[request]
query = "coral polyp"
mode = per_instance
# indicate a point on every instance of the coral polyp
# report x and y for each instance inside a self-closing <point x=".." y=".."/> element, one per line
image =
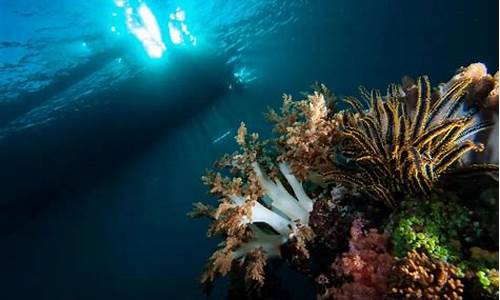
<point x="306" y="195"/>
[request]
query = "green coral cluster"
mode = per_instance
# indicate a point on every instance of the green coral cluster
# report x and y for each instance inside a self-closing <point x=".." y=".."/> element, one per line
<point x="488" y="278"/>
<point x="437" y="225"/>
<point x="482" y="266"/>
<point x="418" y="233"/>
<point x="444" y="229"/>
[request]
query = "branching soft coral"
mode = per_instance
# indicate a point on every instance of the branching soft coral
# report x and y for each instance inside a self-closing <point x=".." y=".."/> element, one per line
<point x="393" y="151"/>
<point x="306" y="132"/>
<point x="248" y="200"/>
<point x="368" y="263"/>
<point x="419" y="277"/>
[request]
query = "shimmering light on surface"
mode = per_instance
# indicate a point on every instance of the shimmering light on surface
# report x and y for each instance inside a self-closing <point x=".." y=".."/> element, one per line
<point x="144" y="25"/>
<point x="120" y="3"/>
<point x="145" y="28"/>
<point x="180" y="15"/>
<point x="178" y="29"/>
<point x="150" y="22"/>
<point x="229" y="28"/>
<point x="175" y="34"/>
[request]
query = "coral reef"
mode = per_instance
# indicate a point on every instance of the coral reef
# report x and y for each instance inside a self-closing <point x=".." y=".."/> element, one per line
<point x="378" y="201"/>
<point x="483" y="88"/>
<point x="366" y="265"/>
<point x="306" y="131"/>
<point x="414" y="233"/>
<point x="419" y="277"/>
<point x="438" y="225"/>
<point x="481" y="273"/>
<point x="249" y="199"/>
<point x="483" y="95"/>
<point x="330" y="219"/>
<point x="488" y="281"/>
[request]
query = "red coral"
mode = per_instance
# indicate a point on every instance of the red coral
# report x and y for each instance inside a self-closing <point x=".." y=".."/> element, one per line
<point x="367" y="263"/>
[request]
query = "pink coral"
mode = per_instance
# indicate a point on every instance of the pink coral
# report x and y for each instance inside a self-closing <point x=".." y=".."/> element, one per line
<point x="368" y="263"/>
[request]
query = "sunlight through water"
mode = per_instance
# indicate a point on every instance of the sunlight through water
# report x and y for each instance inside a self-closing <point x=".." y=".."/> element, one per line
<point x="143" y="25"/>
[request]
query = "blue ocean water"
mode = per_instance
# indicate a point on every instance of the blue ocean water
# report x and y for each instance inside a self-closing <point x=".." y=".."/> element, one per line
<point x="107" y="122"/>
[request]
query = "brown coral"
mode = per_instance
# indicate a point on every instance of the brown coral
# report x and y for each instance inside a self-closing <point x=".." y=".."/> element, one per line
<point x="305" y="132"/>
<point x="255" y="263"/>
<point x="482" y="94"/>
<point x="256" y="214"/>
<point x="419" y="277"/>
<point x="482" y="254"/>
<point x="296" y="251"/>
<point x="483" y="88"/>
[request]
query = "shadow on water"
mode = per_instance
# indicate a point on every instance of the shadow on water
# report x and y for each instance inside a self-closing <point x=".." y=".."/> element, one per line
<point x="26" y="101"/>
<point x="43" y="163"/>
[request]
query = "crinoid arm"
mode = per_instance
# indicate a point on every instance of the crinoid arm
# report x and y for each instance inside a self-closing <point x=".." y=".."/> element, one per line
<point x="399" y="148"/>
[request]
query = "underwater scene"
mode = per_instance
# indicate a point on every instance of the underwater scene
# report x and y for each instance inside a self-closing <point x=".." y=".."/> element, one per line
<point x="249" y="149"/>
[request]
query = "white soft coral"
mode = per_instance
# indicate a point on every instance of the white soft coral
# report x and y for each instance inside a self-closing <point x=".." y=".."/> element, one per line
<point x="257" y="212"/>
<point x="241" y="219"/>
<point x="285" y="211"/>
<point x="295" y="208"/>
